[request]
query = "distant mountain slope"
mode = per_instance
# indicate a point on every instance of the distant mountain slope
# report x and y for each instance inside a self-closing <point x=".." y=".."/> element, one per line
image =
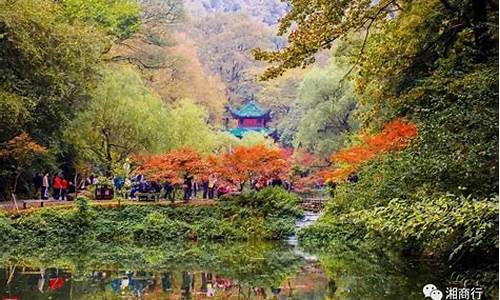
<point x="266" y="11"/>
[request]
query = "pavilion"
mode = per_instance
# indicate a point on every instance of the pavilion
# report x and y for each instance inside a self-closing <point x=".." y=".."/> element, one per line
<point x="251" y="118"/>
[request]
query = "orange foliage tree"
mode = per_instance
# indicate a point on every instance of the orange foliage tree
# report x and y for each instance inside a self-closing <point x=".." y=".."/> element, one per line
<point x="173" y="166"/>
<point x="243" y="164"/>
<point x="236" y="167"/>
<point x="18" y="154"/>
<point x="395" y="136"/>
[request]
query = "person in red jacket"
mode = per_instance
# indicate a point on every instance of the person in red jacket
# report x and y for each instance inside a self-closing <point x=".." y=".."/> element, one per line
<point x="57" y="185"/>
<point x="64" y="188"/>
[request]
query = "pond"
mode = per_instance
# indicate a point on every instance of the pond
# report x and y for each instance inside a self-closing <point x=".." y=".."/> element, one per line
<point x="242" y="270"/>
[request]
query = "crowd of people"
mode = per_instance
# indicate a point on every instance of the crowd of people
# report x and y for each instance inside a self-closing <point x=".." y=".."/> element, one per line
<point x="208" y="188"/>
<point x="58" y="187"/>
<point x="205" y="188"/>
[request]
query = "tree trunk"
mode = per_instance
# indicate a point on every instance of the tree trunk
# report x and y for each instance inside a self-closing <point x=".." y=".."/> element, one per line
<point x="480" y="28"/>
<point x="16" y="180"/>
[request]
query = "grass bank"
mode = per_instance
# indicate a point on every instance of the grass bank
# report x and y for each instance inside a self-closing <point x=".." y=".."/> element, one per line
<point x="267" y="215"/>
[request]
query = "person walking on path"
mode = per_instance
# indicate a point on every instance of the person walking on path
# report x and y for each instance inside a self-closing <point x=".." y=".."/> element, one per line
<point x="168" y="188"/>
<point x="57" y="185"/>
<point x="37" y="183"/>
<point x="64" y="188"/>
<point x="188" y="185"/>
<point x="45" y="186"/>
<point x="204" y="185"/>
<point x="212" y="181"/>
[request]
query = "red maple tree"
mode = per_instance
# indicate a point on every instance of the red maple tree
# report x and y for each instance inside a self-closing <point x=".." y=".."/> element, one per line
<point x="395" y="136"/>
<point x="243" y="164"/>
<point x="172" y="166"/>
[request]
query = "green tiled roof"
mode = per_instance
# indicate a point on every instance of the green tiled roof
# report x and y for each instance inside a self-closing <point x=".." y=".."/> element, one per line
<point x="250" y="110"/>
<point x="240" y="132"/>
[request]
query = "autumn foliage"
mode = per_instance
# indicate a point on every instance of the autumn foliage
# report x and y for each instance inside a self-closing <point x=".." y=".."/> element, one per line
<point x="259" y="162"/>
<point x="395" y="136"/>
<point x="172" y="166"/>
<point x="235" y="167"/>
<point x="20" y="152"/>
<point x="245" y="163"/>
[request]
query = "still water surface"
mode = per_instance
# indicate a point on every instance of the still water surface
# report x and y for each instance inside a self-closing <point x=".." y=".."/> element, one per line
<point x="257" y="270"/>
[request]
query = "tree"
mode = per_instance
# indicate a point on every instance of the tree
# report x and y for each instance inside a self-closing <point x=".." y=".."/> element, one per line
<point x="122" y="118"/>
<point x="395" y="136"/>
<point x="417" y="61"/>
<point x="316" y="25"/>
<point x="187" y="126"/>
<point x="328" y="106"/>
<point x="146" y="46"/>
<point x="173" y="166"/>
<point x="17" y="155"/>
<point x="256" y="138"/>
<point x="225" y="41"/>
<point x="245" y="163"/>
<point x="280" y="96"/>
<point x="47" y="67"/>
<point x="50" y="54"/>
<point x="268" y="12"/>
<point x="190" y="79"/>
<point x="119" y="18"/>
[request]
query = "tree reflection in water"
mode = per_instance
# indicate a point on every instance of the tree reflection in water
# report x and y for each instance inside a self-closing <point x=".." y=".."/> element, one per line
<point x="256" y="270"/>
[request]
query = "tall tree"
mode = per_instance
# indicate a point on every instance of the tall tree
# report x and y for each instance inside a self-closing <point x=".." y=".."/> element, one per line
<point x="328" y="105"/>
<point x="415" y="60"/>
<point x="47" y="66"/>
<point x="187" y="126"/>
<point x="122" y="118"/>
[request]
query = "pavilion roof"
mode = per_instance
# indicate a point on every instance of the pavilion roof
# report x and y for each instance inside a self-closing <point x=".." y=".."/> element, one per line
<point x="249" y="110"/>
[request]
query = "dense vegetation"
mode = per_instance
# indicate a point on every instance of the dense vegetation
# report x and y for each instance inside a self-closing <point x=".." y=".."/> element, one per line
<point x="437" y="197"/>
<point x="267" y="215"/>
<point x="401" y="95"/>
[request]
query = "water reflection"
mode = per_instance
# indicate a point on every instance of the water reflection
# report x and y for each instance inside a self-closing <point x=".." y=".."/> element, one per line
<point x="178" y="271"/>
<point x="205" y="271"/>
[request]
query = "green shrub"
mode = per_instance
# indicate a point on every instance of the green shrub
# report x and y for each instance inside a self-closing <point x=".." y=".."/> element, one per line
<point x="271" y="201"/>
<point x="6" y="229"/>
<point x="157" y="228"/>
<point x="442" y="226"/>
<point x="268" y="214"/>
<point x="214" y="229"/>
<point x="447" y="225"/>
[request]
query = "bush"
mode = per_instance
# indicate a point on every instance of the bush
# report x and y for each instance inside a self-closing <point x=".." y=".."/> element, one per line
<point x="445" y="225"/>
<point x="214" y="229"/>
<point x="7" y="230"/>
<point x="157" y="228"/>
<point x="271" y="201"/>
<point x="442" y="226"/>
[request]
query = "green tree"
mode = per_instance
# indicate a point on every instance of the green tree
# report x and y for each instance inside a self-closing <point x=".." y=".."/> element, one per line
<point x="120" y="18"/>
<point x="256" y="138"/>
<point x="433" y="63"/>
<point x="122" y="118"/>
<point x="47" y="66"/>
<point x="328" y="106"/>
<point x="187" y="126"/>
